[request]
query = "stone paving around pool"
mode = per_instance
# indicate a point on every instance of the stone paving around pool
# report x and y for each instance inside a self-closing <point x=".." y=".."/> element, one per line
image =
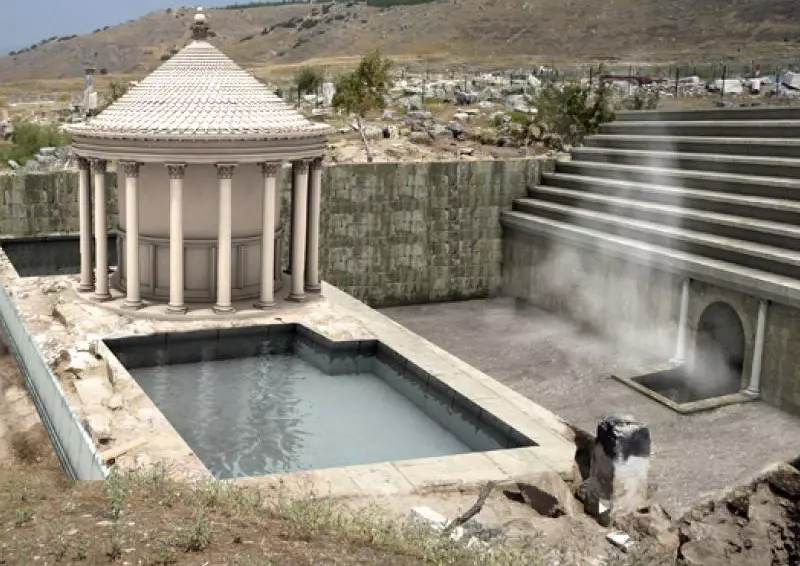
<point x="68" y="327"/>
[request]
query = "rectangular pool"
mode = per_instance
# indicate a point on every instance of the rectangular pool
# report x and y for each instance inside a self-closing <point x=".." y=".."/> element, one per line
<point x="281" y="398"/>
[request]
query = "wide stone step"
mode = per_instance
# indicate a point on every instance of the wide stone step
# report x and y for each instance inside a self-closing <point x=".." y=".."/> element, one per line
<point x="729" y="275"/>
<point x="764" y="147"/>
<point x="745" y="165"/>
<point x="764" y="208"/>
<point x="707" y="128"/>
<point x="770" y="233"/>
<point x="771" y="187"/>
<point x="718" y="114"/>
<point x="757" y="256"/>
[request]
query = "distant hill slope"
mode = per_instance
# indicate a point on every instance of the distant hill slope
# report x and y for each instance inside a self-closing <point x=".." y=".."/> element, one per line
<point x="537" y="31"/>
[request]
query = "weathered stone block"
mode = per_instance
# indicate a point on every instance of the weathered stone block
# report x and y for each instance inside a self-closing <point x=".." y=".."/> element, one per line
<point x="620" y="464"/>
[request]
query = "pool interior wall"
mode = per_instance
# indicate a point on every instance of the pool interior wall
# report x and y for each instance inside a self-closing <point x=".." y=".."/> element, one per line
<point x="276" y="398"/>
<point x="39" y="256"/>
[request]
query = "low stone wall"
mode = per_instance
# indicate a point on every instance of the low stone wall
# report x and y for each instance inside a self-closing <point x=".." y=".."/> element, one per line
<point x="392" y="233"/>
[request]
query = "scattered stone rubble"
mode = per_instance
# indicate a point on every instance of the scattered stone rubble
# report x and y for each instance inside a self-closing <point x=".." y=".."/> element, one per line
<point x="757" y="524"/>
<point x="49" y="159"/>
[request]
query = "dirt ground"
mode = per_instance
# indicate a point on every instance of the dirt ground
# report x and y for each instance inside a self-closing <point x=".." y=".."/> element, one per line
<point x="23" y="439"/>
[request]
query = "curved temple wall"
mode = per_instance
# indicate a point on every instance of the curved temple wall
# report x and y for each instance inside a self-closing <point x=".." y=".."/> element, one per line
<point x="200" y="224"/>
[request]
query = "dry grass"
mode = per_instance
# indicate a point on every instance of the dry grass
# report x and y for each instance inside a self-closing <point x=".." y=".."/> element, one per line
<point x="443" y="33"/>
<point x="144" y="518"/>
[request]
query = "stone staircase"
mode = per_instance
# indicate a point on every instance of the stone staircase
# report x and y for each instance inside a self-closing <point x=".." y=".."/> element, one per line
<point x="714" y="194"/>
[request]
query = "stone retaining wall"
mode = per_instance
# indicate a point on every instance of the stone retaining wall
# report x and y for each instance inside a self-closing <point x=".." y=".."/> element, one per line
<point x="392" y="233"/>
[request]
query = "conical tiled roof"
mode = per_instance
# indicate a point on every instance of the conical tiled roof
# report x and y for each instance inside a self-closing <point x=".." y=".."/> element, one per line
<point x="199" y="94"/>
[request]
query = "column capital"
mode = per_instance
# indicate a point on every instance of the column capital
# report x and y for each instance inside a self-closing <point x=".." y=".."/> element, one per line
<point x="270" y="169"/>
<point x="131" y="168"/>
<point x="316" y="164"/>
<point x="98" y="165"/>
<point x="176" y="170"/>
<point x="225" y="170"/>
<point x="302" y="163"/>
<point x="83" y="163"/>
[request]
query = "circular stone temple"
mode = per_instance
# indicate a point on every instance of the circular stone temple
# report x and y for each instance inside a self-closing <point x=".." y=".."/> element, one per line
<point x="198" y="145"/>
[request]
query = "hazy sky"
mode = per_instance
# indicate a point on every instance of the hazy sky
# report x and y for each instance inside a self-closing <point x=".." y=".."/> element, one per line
<point x="23" y="22"/>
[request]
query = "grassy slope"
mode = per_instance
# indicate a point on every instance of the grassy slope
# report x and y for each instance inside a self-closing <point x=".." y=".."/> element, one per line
<point x="147" y="519"/>
<point x="446" y="30"/>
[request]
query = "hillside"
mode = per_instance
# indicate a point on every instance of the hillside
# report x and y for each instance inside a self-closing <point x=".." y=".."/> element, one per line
<point x="451" y="31"/>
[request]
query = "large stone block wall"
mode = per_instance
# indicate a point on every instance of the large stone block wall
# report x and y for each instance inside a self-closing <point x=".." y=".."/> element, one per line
<point x="392" y="233"/>
<point x="45" y="203"/>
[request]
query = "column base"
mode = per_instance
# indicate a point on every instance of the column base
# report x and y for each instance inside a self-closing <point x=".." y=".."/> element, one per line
<point x="223" y="309"/>
<point x="752" y="393"/>
<point x="177" y="309"/>
<point x="264" y="305"/>
<point x="102" y="298"/>
<point x="296" y="297"/>
<point x="85" y="288"/>
<point x="313" y="288"/>
<point x="132" y="305"/>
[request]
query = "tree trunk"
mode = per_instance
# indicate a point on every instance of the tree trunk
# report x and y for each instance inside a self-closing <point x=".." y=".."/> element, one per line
<point x="364" y="139"/>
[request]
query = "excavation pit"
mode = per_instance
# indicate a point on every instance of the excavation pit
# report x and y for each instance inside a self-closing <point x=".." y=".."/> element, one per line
<point x="281" y="398"/>
<point x="41" y="256"/>
<point x="674" y="386"/>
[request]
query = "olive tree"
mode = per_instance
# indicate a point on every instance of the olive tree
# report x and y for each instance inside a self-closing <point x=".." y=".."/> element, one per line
<point x="308" y="80"/>
<point x="364" y="90"/>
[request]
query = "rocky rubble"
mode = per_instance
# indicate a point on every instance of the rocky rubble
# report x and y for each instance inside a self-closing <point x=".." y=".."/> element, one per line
<point x="752" y="525"/>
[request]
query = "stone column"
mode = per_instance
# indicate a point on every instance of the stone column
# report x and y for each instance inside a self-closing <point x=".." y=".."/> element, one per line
<point x="296" y="165"/>
<point x="176" y="267"/>
<point x="85" y="212"/>
<point x="268" y="216"/>
<point x="312" y="247"/>
<point x="100" y="230"/>
<point x="299" y="216"/>
<point x="618" y="478"/>
<point x="683" y="323"/>
<point x="225" y="176"/>
<point x="754" y="389"/>
<point x="133" y="299"/>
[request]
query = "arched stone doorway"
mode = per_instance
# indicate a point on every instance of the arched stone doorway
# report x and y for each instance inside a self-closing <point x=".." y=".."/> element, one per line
<point x="719" y="352"/>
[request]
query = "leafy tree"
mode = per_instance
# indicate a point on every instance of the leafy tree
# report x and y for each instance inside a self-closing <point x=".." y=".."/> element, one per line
<point x="308" y="79"/>
<point x="364" y="90"/>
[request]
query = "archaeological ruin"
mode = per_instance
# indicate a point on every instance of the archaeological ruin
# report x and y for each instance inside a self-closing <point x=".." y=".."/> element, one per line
<point x="207" y="289"/>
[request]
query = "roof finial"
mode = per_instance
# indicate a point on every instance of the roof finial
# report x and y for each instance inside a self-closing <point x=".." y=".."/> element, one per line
<point x="199" y="26"/>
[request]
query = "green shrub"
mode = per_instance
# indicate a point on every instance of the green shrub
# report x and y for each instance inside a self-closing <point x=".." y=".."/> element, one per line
<point x="28" y="138"/>
<point x="641" y="100"/>
<point x="574" y="111"/>
<point x="565" y="115"/>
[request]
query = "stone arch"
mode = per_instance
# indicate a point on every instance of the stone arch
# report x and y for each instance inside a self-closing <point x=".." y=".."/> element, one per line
<point x="720" y="350"/>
